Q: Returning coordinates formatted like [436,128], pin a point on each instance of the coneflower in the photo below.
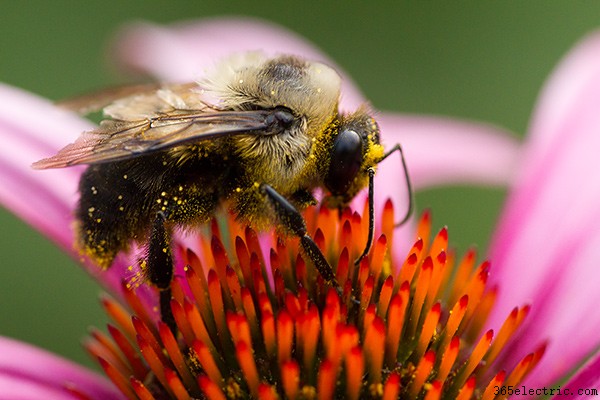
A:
[254,325]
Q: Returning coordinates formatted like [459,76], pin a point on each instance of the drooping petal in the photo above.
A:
[27,372]
[32,128]
[183,51]
[545,250]
[585,381]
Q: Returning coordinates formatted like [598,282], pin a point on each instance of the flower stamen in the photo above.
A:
[245,328]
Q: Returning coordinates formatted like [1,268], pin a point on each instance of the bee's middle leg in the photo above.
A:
[160,266]
[291,219]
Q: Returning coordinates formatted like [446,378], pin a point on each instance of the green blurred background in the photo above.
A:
[483,61]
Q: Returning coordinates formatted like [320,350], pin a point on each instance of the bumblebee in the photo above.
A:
[258,135]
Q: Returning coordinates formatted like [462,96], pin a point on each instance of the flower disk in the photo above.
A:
[248,327]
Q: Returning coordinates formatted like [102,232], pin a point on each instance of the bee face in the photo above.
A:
[355,150]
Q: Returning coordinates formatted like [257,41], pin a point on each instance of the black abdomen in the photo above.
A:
[120,200]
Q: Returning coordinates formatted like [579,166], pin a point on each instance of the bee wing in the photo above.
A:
[116,140]
[97,100]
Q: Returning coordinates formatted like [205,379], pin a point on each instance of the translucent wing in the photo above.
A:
[159,120]
[96,101]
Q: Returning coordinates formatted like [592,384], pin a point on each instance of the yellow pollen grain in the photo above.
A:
[125,176]
[158,201]
[120,197]
[241,81]
[238,189]
[181,188]
[121,208]
[99,220]
[91,209]
[163,194]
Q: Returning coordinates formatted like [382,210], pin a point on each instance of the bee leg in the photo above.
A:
[371,233]
[160,267]
[409,209]
[291,218]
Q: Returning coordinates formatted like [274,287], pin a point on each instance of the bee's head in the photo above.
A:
[355,149]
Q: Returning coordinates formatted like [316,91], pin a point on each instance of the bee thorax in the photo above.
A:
[277,160]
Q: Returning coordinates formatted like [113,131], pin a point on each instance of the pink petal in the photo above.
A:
[545,250]
[183,51]
[32,128]
[445,151]
[438,151]
[27,372]
[585,381]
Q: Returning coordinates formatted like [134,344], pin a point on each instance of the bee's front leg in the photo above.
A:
[292,220]
[160,266]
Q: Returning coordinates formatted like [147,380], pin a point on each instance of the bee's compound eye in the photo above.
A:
[346,158]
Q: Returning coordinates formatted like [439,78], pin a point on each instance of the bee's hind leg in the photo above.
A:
[160,266]
[292,220]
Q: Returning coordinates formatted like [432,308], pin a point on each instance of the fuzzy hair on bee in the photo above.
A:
[256,135]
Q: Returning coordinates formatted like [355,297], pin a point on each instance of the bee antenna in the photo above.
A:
[409,210]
